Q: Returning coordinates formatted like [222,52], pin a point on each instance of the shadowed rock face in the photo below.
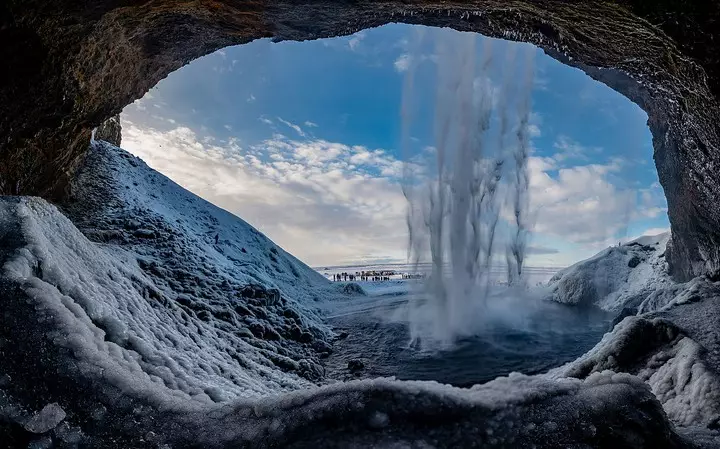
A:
[75,63]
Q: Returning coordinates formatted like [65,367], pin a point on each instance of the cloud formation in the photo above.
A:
[331,203]
[324,202]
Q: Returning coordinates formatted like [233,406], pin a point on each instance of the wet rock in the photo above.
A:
[46,419]
[634,262]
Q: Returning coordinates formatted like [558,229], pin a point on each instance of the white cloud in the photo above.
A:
[534,130]
[402,63]
[266,120]
[328,202]
[570,149]
[310,124]
[251,98]
[307,196]
[293,126]
[356,39]
[581,205]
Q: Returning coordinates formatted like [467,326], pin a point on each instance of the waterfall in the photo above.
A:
[474,188]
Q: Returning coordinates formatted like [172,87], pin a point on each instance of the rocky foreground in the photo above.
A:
[138,315]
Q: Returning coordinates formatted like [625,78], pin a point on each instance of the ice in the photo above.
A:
[674,350]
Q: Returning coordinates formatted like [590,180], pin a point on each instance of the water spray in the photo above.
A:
[457,205]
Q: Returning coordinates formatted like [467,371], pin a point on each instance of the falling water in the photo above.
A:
[469,200]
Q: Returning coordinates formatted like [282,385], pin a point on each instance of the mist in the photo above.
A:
[468,197]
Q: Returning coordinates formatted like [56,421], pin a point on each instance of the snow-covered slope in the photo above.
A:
[158,295]
[617,277]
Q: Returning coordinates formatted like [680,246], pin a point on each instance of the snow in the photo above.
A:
[674,350]
[168,312]
[219,343]
[616,277]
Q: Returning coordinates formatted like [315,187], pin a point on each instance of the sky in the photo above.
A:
[303,140]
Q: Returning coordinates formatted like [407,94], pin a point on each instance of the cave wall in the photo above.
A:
[75,63]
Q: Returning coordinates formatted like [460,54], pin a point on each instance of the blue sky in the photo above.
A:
[302,140]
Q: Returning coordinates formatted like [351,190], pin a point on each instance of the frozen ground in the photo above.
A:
[128,325]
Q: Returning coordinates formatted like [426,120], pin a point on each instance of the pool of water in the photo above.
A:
[544,335]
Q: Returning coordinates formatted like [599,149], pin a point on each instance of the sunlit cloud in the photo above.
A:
[330,203]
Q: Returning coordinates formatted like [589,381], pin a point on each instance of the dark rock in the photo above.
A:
[295,332]
[343,335]
[356,365]
[310,370]
[46,419]
[257,330]
[634,261]
[271,334]
[624,313]
[322,346]
[290,313]
[242,310]
[305,337]
[144,233]
[110,131]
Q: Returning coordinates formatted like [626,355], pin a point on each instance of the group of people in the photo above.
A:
[364,276]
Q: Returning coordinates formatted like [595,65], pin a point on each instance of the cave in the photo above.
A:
[77,64]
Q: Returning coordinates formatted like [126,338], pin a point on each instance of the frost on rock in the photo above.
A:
[208,318]
[46,419]
[675,350]
[617,277]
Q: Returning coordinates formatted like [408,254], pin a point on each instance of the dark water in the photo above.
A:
[546,337]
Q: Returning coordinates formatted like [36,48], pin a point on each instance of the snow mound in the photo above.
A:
[175,290]
[675,350]
[120,322]
[617,277]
